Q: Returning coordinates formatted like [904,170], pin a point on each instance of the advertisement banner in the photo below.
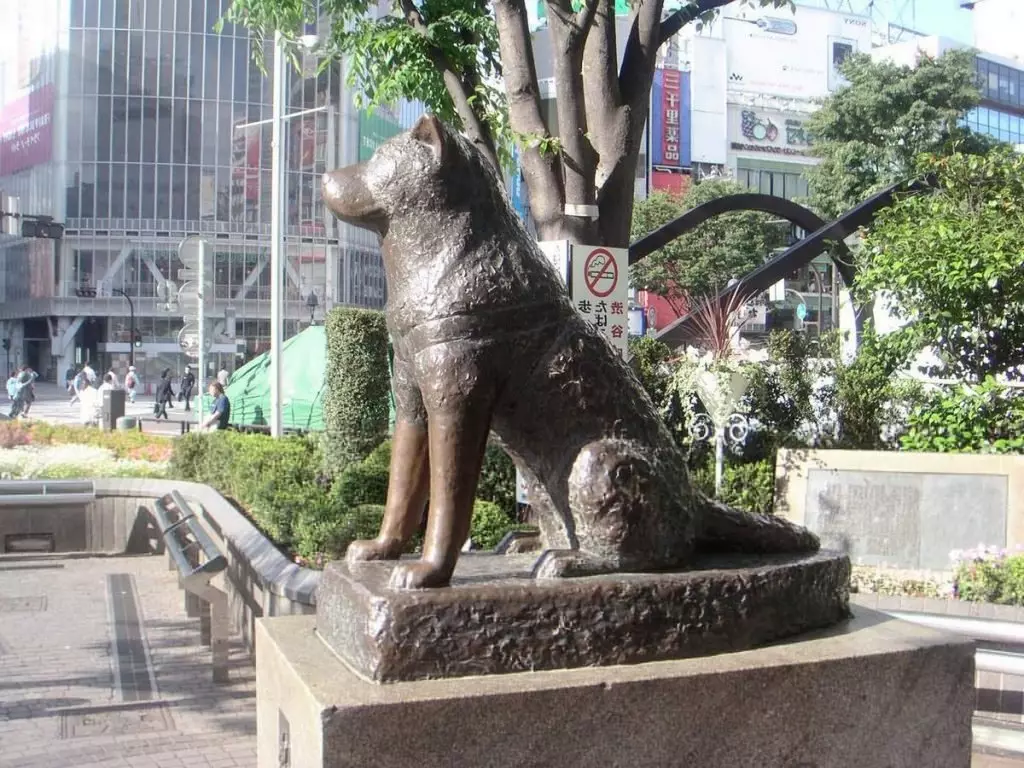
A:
[768,131]
[26,131]
[777,52]
[375,129]
[517,190]
[674,182]
[670,119]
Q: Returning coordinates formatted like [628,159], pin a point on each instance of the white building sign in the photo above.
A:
[768,131]
[777,52]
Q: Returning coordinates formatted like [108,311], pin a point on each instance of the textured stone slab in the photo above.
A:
[495,619]
[872,692]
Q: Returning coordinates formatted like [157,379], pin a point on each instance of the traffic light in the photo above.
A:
[42,227]
[7,345]
[138,339]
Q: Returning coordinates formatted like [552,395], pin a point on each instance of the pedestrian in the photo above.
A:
[22,393]
[164,395]
[220,409]
[90,374]
[131,383]
[69,378]
[12,385]
[112,378]
[78,384]
[28,390]
[188,383]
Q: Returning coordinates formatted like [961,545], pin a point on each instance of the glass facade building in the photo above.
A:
[1001,112]
[157,127]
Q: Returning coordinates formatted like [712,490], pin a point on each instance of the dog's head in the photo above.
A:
[428,169]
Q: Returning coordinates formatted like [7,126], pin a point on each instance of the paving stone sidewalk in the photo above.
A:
[100,666]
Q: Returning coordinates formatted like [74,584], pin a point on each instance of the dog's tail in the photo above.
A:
[724,529]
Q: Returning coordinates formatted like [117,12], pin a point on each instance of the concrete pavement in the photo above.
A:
[52,404]
[100,666]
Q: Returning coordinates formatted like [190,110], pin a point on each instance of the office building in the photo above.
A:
[134,124]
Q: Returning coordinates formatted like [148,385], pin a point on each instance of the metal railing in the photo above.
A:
[45,493]
[192,552]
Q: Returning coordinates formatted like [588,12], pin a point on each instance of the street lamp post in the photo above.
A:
[131,323]
[277,191]
[90,293]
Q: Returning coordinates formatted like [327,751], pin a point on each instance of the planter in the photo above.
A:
[721,389]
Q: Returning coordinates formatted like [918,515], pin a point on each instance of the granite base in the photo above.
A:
[872,692]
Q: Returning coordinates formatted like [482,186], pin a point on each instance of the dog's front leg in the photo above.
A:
[409,478]
[458,438]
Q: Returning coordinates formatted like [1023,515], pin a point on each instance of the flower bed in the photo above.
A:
[27,462]
[122,445]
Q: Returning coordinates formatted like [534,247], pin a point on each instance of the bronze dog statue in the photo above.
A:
[485,338]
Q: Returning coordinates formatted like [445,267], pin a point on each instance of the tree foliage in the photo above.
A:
[949,262]
[869,134]
[473,63]
[703,260]
[358,386]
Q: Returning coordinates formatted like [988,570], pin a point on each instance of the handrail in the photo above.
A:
[40,493]
[173,534]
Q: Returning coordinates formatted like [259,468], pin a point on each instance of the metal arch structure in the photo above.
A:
[792,212]
[787,262]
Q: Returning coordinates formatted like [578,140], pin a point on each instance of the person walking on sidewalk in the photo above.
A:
[164,395]
[79,383]
[131,383]
[220,409]
[188,383]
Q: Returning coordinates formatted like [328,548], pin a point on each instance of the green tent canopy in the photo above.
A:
[303,385]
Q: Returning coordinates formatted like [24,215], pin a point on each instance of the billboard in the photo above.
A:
[670,119]
[26,130]
[777,52]
[769,131]
[375,129]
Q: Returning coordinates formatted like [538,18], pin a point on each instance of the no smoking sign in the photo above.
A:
[601,273]
[600,292]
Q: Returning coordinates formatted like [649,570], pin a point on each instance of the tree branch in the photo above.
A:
[459,88]
[568,42]
[522,92]
[685,15]
[607,121]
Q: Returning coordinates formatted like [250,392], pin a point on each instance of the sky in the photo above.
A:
[943,17]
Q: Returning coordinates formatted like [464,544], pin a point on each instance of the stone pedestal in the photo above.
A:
[872,692]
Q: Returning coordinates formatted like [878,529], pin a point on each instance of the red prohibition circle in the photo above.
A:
[593,274]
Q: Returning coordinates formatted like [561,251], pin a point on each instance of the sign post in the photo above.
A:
[597,279]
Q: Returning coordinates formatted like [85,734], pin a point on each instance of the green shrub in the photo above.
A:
[357,400]
[272,479]
[362,483]
[498,480]
[380,457]
[749,486]
[490,524]
[989,575]
[989,418]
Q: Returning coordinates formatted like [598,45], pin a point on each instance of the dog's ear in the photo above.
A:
[429,130]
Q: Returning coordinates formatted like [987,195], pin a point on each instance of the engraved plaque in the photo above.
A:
[905,519]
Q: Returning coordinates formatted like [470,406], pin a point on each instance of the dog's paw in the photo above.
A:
[372,549]
[419,574]
[566,563]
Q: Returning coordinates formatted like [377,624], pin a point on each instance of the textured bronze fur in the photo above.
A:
[485,338]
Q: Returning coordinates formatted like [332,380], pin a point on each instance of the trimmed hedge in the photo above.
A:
[279,484]
[357,400]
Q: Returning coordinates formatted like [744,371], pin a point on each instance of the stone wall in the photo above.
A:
[902,510]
